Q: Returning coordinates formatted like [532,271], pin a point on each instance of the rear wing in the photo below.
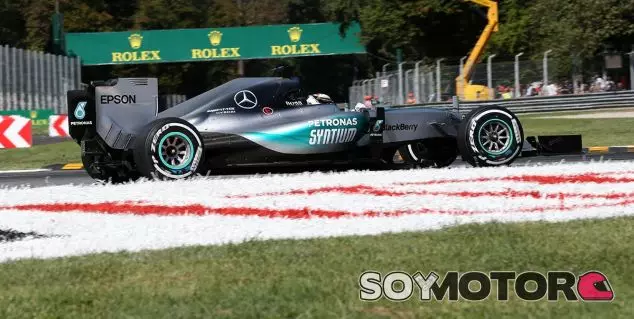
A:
[115,109]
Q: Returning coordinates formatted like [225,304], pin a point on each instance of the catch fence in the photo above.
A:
[31,80]
[423,82]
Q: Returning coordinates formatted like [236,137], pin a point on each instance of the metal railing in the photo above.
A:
[31,80]
[543,103]
[417,82]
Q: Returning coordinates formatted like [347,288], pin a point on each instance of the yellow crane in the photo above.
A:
[464,89]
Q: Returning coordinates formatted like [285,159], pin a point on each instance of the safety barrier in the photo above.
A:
[545,103]
[58,126]
[15,132]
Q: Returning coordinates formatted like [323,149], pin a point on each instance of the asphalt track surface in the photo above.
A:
[79,177]
[43,139]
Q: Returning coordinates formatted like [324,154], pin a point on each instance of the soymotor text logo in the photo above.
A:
[476,286]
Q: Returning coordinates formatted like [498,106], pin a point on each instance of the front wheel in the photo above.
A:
[169,148]
[490,136]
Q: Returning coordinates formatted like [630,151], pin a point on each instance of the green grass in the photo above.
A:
[39,156]
[595,132]
[41,130]
[580,112]
[319,278]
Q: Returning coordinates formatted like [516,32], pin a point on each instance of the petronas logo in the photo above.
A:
[135,40]
[215,37]
[295,34]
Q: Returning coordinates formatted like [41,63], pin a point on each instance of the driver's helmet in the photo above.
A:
[318,98]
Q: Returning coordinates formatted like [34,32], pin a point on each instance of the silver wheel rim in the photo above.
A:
[495,137]
[174,150]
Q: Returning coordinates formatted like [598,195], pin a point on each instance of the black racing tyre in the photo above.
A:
[490,136]
[169,149]
[434,153]
[388,155]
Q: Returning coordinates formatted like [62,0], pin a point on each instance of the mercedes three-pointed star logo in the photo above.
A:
[246,99]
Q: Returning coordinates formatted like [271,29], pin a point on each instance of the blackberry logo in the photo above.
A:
[401,127]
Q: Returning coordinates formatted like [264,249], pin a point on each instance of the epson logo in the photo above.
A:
[294,103]
[118,99]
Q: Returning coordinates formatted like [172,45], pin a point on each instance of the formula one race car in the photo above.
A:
[123,136]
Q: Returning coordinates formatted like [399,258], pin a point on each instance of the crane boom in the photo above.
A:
[462,81]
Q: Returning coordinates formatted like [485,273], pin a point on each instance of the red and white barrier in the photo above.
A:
[15,132]
[58,125]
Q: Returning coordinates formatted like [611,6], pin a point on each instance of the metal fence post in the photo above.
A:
[462,64]
[438,86]
[71,74]
[3,71]
[351,89]
[631,54]
[417,81]
[42,90]
[359,91]
[490,76]
[431,88]
[388,98]
[363,92]
[400,100]
[66,76]
[423,87]
[14,79]
[384,68]
[56,68]
[518,92]
[408,89]
[23,78]
[36,80]
[78,78]
[377,86]
[546,67]
[29,69]
[54,83]
[62,83]
[48,83]
[366,87]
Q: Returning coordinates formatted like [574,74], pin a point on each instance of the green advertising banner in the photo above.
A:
[38,117]
[235,43]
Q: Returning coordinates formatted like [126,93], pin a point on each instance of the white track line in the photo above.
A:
[26,171]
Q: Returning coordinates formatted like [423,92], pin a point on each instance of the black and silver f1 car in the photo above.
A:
[267,120]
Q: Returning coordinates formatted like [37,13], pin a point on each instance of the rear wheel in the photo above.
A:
[169,148]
